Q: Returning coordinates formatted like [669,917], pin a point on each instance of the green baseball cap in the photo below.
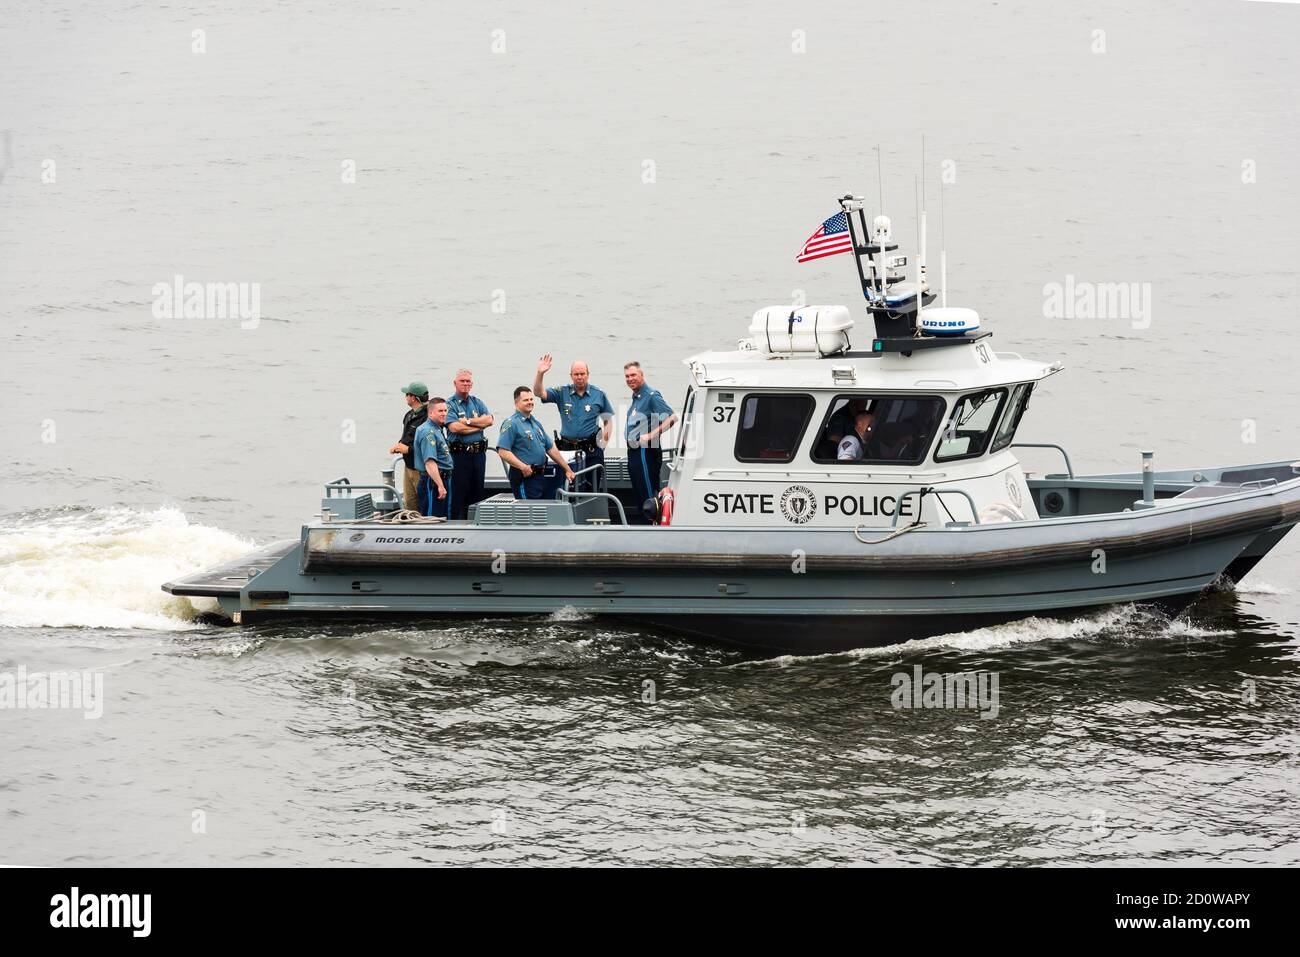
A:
[417,389]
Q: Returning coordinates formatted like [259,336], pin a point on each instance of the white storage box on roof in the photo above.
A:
[811,330]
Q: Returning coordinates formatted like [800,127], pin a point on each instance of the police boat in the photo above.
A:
[818,497]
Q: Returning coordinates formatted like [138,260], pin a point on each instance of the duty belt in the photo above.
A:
[471,447]
[576,445]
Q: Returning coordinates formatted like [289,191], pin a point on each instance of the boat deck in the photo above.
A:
[230,577]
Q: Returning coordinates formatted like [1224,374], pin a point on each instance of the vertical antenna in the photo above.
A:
[921,264]
[881,270]
[880,179]
[920,269]
[943,253]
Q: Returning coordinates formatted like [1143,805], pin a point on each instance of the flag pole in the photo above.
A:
[848,203]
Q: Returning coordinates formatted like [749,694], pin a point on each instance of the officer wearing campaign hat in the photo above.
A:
[417,396]
[586,418]
[525,446]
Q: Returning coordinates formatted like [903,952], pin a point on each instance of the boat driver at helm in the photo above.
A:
[852,446]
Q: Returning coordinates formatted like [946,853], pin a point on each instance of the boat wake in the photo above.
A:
[1124,623]
[1259,588]
[101,568]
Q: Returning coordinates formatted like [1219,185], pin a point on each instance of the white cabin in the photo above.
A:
[761,442]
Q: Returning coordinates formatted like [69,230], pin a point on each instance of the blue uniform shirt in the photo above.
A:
[470,408]
[431,443]
[525,437]
[647,412]
[580,415]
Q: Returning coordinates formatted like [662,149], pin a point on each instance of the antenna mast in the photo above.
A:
[943,253]
[920,258]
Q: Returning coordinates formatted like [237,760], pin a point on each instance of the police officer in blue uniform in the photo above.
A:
[524,446]
[467,417]
[433,455]
[586,419]
[647,420]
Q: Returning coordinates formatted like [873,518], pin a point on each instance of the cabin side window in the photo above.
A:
[1011,418]
[882,429]
[968,431]
[771,426]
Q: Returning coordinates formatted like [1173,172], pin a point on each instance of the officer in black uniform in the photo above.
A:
[417,396]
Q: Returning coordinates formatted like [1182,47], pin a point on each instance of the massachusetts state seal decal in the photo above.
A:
[798,504]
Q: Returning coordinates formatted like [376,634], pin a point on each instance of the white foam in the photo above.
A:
[103,568]
[1023,631]
[1182,628]
[1259,588]
[569,613]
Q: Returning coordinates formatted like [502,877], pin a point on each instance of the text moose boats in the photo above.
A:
[817,497]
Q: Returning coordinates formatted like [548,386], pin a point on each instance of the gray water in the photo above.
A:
[137,448]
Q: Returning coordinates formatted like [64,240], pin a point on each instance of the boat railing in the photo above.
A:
[343,486]
[596,467]
[1069,468]
[582,498]
[898,506]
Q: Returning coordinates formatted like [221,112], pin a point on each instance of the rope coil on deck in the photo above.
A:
[403,516]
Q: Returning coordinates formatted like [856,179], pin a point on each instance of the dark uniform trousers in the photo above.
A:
[543,483]
[643,467]
[430,504]
[468,471]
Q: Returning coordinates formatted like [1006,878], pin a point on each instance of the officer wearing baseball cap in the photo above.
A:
[417,396]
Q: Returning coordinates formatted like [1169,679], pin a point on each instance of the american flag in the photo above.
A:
[831,239]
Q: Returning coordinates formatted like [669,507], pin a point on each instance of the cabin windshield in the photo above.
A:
[967,433]
[1011,418]
[890,429]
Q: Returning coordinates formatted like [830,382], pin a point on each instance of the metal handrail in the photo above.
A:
[566,495]
[343,484]
[898,506]
[1047,445]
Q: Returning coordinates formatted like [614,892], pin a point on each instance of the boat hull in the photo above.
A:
[799,591]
